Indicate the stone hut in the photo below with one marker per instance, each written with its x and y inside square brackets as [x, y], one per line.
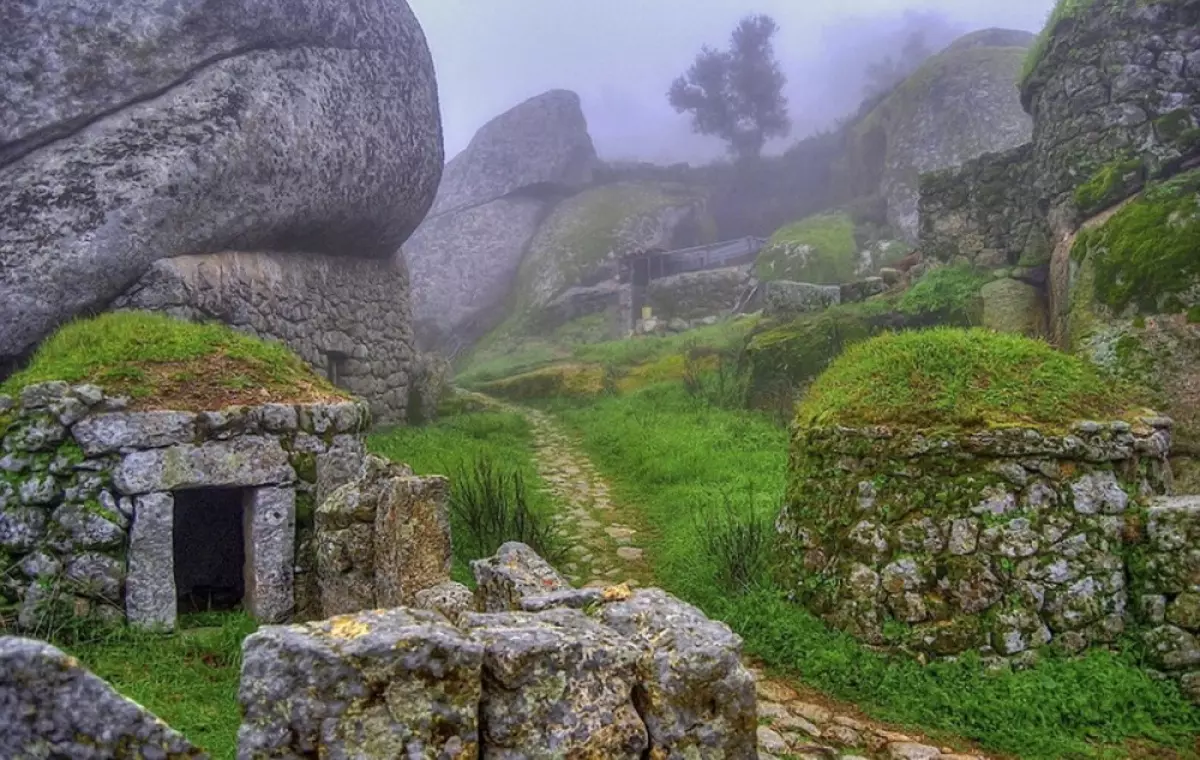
[939, 539]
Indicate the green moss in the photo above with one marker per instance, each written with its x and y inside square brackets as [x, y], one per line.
[1109, 184]
[1146, 255]
[949, 377]
[1193, 315]
[305, 465]
[820, 249]
[951, 292]
[306, 510]
[1174, 125]
[96, 508]
[162, 361]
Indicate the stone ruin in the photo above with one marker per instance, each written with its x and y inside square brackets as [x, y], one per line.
[544, 670]
[115, 514]
[998, 541]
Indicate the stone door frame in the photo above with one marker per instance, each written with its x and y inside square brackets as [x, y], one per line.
[268, 535]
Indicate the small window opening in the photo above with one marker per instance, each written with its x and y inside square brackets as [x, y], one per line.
[209, 545]
[335, 367]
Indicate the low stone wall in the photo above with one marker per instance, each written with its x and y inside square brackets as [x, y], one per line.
[984, 212]
[548, 670]
[1000, 541]
[693, 295]
[87, 493]
[349, 318]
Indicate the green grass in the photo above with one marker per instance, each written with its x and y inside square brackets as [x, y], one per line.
[962, 379]
[189, 679]
[678, 462]
[830, 261]
[950, 291]
[159, 360]
[1146, 255]
[455, 443]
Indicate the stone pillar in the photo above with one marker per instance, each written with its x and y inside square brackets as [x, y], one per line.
[270, 532]
[150, 583]
[412, 539]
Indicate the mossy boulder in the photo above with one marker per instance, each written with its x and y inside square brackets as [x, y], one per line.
[1013, 306]
[962, 379]
[819, 249]
[570, 380]
[959, 105]
[582, 238]
[167, 363]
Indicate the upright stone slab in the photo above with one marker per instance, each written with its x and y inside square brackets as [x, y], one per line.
[150, 599]
[52, 707]
[699, 701]
[412, 539]
[557, 684]
[381, 684]
[515, 572]
[238, 463]
[270, 553]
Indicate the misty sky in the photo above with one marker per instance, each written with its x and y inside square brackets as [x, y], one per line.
[621, 55]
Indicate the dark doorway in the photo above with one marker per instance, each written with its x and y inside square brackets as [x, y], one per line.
[209, 546]
[335, 367]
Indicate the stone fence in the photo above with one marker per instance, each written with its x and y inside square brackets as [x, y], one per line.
[998, 541]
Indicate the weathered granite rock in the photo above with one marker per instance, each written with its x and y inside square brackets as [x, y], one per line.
[21, 528]
[239, 462]
[270, 525]
[512, 574]
[150, 601]
[386, 683]
[105, 433]
[318, 305]
[51, 706]
[783, 297]
[699, 701]
[557, 684]
[450, 598]
[698, 294]
[1013, 306]
[77, 527]
[150, 131]
[412, 539]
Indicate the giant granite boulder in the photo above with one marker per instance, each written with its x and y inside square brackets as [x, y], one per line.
[145, 130]
[492, 197]
[960, 104]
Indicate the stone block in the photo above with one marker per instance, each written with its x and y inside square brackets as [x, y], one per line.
[107, 433]
[412, 539]
[699, 701]
[270, 553]
[451, 599]
[150, 586]
[515, 572]
[381, 684]
[238, 463]
[557, 684]
[51, 706]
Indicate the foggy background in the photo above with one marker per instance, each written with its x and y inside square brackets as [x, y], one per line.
[621, 56]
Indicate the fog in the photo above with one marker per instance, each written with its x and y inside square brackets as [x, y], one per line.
[621, 56]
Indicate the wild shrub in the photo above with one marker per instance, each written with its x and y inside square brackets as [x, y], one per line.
[492, 507]
[739, 541]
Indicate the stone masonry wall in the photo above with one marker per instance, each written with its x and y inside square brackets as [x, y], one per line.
[693, 295]
[999, 541]
[86, 496]
[350, 312]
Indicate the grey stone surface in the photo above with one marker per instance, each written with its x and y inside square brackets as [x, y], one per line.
[96, 576]
[782, 297]
[698, 294]
[557, 684]
[51, 706]
[386, 683]
[150, 595]
[148, 131]
[105, 433]
[450, 598]
[345, 316]
[21, 528]
[76, 527]
[240, 462]
[699, 699]
[514, 573]
[270, 553]
[412, 538]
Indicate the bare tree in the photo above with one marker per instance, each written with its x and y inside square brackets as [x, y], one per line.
[737, 94]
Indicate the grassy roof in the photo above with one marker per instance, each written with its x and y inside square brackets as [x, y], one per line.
[950, 377]
[829, 258]
[162, 362]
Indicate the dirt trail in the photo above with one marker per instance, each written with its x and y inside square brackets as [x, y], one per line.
[794, 721]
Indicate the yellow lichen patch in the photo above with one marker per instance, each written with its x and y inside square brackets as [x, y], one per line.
[347, 627]
[618, 593]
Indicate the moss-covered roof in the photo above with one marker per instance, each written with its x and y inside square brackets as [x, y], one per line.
[166, 363]
[965, 379]
[820, 249]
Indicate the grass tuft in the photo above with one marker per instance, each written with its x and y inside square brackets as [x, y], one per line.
[164, 362]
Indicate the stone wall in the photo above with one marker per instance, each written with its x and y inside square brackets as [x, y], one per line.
[693, 295]
[1115, 101]
[346, 317]
[87, 491]
[999, 541]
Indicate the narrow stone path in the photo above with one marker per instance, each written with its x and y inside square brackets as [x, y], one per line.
[794, 721]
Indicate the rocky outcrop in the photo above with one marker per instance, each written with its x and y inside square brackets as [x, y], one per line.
[492, 197]
[137, 133]
[346, 317]
[695, 295]
[514, 573]
[960, 104]
[51, 706]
